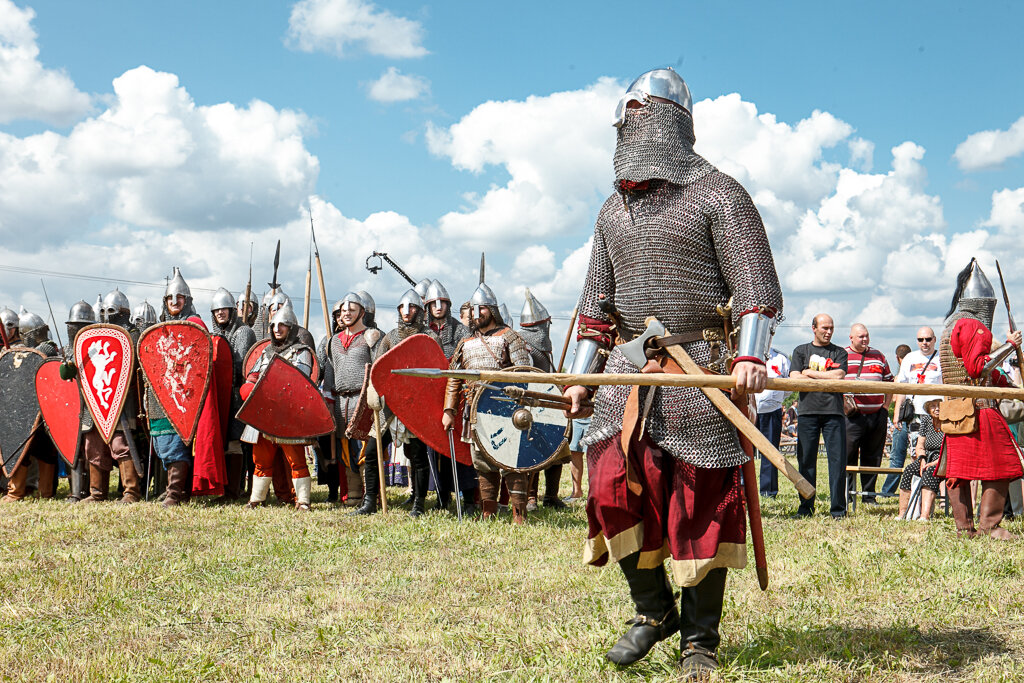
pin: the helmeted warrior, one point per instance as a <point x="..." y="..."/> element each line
<point x="411" y="320"/>
<point x="38" y="468"/>
<point x="80" y="315"/>
<point x="492" y="346"/>
<point x="247" y="312"/>
<point x="35" y="333"/>
<point x="505" y="315"/>
<point x="422" y="286"/>
<point x="344" y="357"/>
<point x="370" y="306"/>
<point x="277" y="301"/>
<point x="176" y="457"/>
<point x="451" y="331"/>
<point x="240" y="337"/>
<point x="9" y="319"/>
<point x="284" y="328"/>
<point x="535" y="329"/>
<point x="968" y="355"/>
<point x="677" y="239"/>
<point x="144" y="316"/>
<point x="101" y="456"/>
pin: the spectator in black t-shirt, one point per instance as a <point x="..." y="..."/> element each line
<point x="821" y="414"/>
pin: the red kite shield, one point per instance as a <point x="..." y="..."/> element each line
<point x="105" y="357"/>
<point x="177" y="359"/>
<point x="61" y="404"/>
<point x="418" y="402"/>
<point x="360" y="424"/>
<point x="285" y="404"/>
<point x="224" y="370"/>
<point x="19" y="417"/>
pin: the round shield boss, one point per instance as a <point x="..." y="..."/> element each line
<point x="518" y="437"/>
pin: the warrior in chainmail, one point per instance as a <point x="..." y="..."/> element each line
<point x="101" y="456"/>
<point x="285" y="343"/>
<point x="274" y="301"/>
<point x="411" y="320"/>
<point x="344" y="357"/>
<point x="493" y="346"/>
<point x="240" y="337"/>
<point x="969" y="355"/>
<point x="38" y="467"/>
<point x="451" y="331"/>
<point x="677" y="239"/>
<point x="176" y="457"/>
<point x="535" y="329"/>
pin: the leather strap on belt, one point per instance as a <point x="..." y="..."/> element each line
<point x="676" y="339"/>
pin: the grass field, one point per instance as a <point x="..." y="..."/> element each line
<point x="203" y="592"/>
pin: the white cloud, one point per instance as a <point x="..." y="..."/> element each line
<point x="155" y="159"/>
<point x="335" y="26"/>
<point x="990" y="148"/>
<point x="394" y="86"/>
<point x="557" y="151"/>
<point x="533" y="263"/>
<point x="27" y="89"/>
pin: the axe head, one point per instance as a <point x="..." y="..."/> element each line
<point x="634" y="350"/>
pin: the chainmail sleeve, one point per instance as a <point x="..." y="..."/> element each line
<point x="323" y="359"/>
<point x="600" y="278"/>
<point x="744" y="255"/>
<point x="518" y="352"/>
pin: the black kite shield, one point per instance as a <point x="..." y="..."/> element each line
<point x="20" y="413"/>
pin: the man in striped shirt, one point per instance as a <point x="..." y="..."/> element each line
<point x="866" y="426"/>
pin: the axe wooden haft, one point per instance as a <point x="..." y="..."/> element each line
<point x="736" y="411"/>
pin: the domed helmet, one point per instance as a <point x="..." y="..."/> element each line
<point x="663" y="83"/>
<point x="222" y="298"/>
<point x="81" y="313"/>
<point x="115" y="303"/>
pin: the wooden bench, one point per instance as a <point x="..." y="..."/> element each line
<point x="851" y="475"/>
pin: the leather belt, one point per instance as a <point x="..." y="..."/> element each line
<point x="345" y="394"/>
<point x="709" y="334"/>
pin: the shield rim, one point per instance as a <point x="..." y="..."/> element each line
<point x="130" y="374"/>
<point x="46" y="425"/>
<point x="311" y="437"/>
<point x="206" y="382"/>
<point x="560" y="453"/>
<point x="38" y="418"/>
<point x="247" y="366"/>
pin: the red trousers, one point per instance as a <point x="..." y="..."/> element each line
<point x="264" y="451"/>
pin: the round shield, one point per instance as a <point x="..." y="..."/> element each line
<point x="518" y="437"/>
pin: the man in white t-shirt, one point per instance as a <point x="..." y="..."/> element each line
<point x="918" y="367"/>
<point x="769" y="420"/>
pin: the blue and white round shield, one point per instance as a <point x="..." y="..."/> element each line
<point x="514" y="439"/>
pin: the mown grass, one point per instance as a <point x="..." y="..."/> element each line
<point x="207" y="592"/>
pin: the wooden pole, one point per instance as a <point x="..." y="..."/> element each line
<point x="568" y="336"/>
<point x="725" y="382"/>
<point x="380" y="463"/>
<point x="305" y="306"/>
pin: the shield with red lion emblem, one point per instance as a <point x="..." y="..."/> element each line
<point x="177" y="359"/>
<point x="105" y="358"/>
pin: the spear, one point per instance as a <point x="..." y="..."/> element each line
<point x="309" y="276"/>
<point x="327" y="321"/>
<point x="52" y="318"/>
<point x="568" y="336"/>
<point x="248" y="292"/>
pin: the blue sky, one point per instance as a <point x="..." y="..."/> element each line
<point x="929" y="73"/>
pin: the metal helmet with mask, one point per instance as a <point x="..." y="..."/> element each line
<point x="654" y="140"/>
<point x="285" y="315"/>
<point x="144" y="315"/>
<point x="115" y="305"/>
<point x="178" y="287"/>
<point x="410" y="299"/>
<point x="10" y="321"/>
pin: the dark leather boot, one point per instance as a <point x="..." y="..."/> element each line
<point x="990" y="514"/>
<point x="700" y="615"/>
<point x="233" y="471"/>
<point x="960" y="504"/>
<point x="421" y="479"/>
<point x="656" y="615"/>
<point x="131" y="481"/>
<point x="78" y="480"/>
<point x="517" y="496"/>
<point x="179" y="484"/>
<point x="371" y="479"/>
<point x="469" y="505"/>
<point x="533" y="483"/>
<point x="489" y="483"/>
<point x="552" y="479"/>
<point x="47" y="479"/>
<point x="99" y="485"/>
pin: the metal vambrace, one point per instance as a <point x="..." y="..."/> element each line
<point x="755" y="337"/>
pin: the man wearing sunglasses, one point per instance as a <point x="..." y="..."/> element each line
<point x="918" y="367"/>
